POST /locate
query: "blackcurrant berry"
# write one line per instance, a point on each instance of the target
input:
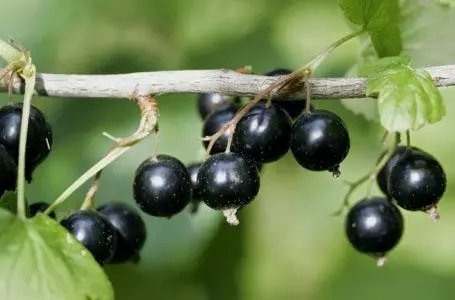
(37, 207)
(162, 186)
(193, 170)
(374, 226)
(215, 122)
(94, 232)
(320, 141)
(209, 103)
(8, 171)
(130, 228)
(263, 133)
(293, 107)
(228, 181)
(39, 137)
(384, 174)
(417, 182)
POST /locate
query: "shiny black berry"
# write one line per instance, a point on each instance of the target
(209, 103)
(374, 226)
(130, 229)
(417, 182)
(263, 133)
(320, 141)
(39, 137)
(94, 232)
(228, 181)
(162, 186)
(196, 197)
(293, 107)
(384, 174)
(37, 207)
(8, 171)
(215, 122)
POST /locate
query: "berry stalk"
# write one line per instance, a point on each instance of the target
(148, 124)
(324, 54)
(29, 74)
(301, 73)
(381, 164)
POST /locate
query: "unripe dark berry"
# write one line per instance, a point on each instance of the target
(374, 226)
(293, 107)
(41, 207)
(263, 134)
(211, 102)
(8, 171)
(162, 186)
(384, 174)
(215, 122)
(320, 141)
(130, 230)
(39, 136)
(417, 182)
(196, 196)
(228, 181)
(94, 232)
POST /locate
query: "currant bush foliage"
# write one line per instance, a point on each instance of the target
(379, 19)
(41, 260)
(408, 98)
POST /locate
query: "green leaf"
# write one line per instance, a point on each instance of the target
(426, 39)
(408, 98)
(380, 19)
(387, 42)
(40, 260)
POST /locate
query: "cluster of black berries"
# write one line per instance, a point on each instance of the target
(114, 233)
(39, 143)
(413, 180)
(229, 180)
(318, 140)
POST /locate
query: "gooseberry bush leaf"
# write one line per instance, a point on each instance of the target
(407, 98)
(380, 19)
(40, 260)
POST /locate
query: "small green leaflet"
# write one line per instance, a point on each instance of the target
(407, 98)
(380, 19)
(40, 260)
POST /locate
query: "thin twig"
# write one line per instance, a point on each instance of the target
(195, 81)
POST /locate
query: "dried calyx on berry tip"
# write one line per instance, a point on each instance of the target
(228, 182)
(374, 226)
(320, 141)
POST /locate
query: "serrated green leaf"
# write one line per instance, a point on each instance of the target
(407, 98)
(40, 260)
(380, 19)
(383, 65)
(426, 30)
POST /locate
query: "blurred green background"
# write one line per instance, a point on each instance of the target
(288, 246)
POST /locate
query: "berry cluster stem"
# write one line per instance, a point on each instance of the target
(381, 164)
(371, 176)
(148, 125)
(299, 74)
(30, 83)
